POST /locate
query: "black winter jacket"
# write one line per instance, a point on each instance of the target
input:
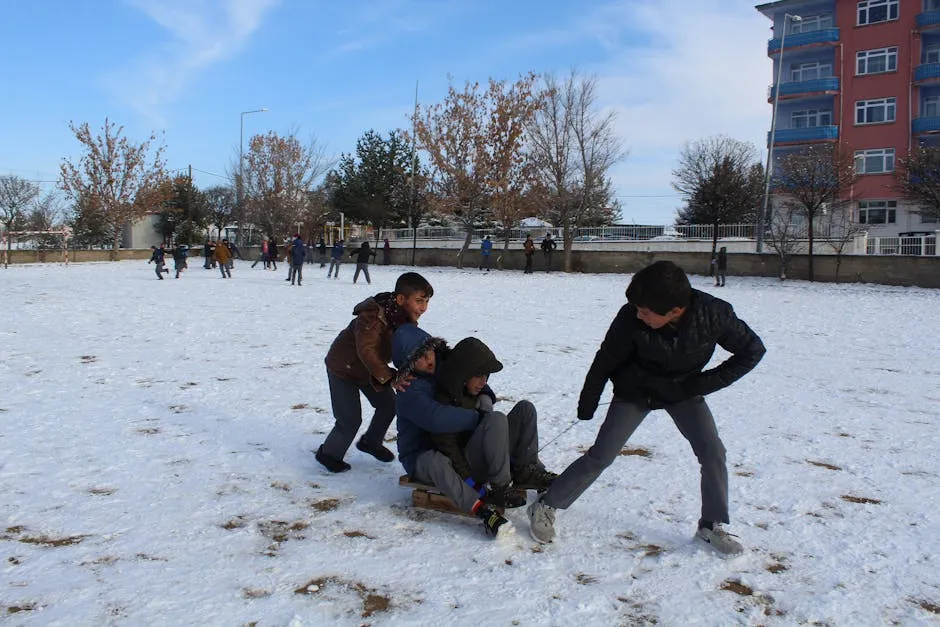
(664, 366)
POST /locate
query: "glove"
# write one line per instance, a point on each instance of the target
(484, 402)
(585, 413)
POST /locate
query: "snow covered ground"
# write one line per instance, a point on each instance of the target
(156, 465)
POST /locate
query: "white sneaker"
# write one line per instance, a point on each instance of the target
(720, 540)
(541, 522)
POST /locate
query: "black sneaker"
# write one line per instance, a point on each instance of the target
(331, 463)
(505, 496)
(379, 452)
(492, 521)
(533, 477)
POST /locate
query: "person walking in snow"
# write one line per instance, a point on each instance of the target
(158, 257)
(357, 363)
(297, 254)
(336, 258)
(654, 353)
(321, 252)
(486, 248)
(548, 247)
(362, 261)
(179, 259)
(223, 257)
(721, 266)
(528, 248)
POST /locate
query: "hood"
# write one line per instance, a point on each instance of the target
(469, 358)
(409, 343)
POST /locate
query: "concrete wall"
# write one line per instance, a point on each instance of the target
(886, 270)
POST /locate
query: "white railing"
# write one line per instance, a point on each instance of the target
(609, 233)
(917, 245)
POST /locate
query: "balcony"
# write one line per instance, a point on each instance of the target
(817, 37)
(926, 124)
(928, 20)
(805, 88)
(927, 72)
(805, 135)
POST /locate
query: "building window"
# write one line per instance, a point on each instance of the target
(927, 217)
(932, 53)
(875, 111)
(810, 71)
(877, 161)
(876, 61)
(877, 211)
(874, 11)
(812, 23)
(810, 118)
(931, 106)
(931, 5)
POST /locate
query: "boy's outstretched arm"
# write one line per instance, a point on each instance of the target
(614, 351)
(746, 350)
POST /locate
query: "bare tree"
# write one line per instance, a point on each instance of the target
(843, 228)
(815, 177)
(16, 195)
(918, 179)
(784, 234)
(573, 145)
(122, 180)
(45, 215)
(721, 180)
(454, 135)
(280, 173)
(512, 107)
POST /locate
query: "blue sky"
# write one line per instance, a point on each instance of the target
(673, 70)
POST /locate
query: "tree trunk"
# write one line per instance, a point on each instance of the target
(116, 244)
(568, 241)
(810, 260)
(466, 246)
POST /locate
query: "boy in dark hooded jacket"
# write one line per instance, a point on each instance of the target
(357, 362)
(654, 354)
(423, 422)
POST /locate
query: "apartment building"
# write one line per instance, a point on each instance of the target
(866, 73)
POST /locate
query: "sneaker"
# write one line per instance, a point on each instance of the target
(541, 522)
(504, 496)
(719, 539)
(492, 521)
(379, 452)
(331, 463)
(533, 477)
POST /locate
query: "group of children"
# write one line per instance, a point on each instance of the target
(450, 435)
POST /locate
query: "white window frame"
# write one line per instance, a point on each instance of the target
(865, 161)
(863, 59)
(867, 110)
(930, 107)
(890, 208)
(812, 23)
(813, 118)
(932, 53)
(822, 70)
(865, 7)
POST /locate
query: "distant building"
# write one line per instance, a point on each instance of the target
(864, 72)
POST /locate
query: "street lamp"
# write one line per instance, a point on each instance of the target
(241, 141)
(773, 128)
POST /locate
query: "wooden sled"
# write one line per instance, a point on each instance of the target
(426, 496)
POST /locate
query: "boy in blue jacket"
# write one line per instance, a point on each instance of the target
(421, 419)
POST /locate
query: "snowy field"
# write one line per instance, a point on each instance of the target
(156, 462)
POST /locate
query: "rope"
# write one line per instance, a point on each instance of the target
(566, 429)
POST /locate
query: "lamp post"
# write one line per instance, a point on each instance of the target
(762, 216)
(241, 141)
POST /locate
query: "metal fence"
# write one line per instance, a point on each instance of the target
(918, 245)
(627, 232)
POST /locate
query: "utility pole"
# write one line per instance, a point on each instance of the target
(414, 167)
(189, 207)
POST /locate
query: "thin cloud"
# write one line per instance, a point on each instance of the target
(202, 33)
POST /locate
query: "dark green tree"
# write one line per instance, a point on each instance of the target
(185, 213)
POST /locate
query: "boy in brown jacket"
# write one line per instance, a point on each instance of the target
(358, 362)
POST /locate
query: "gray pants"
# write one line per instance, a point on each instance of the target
(347, 411)
(695, 423)
(362, 267)
(334, 263)
(499, 445)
